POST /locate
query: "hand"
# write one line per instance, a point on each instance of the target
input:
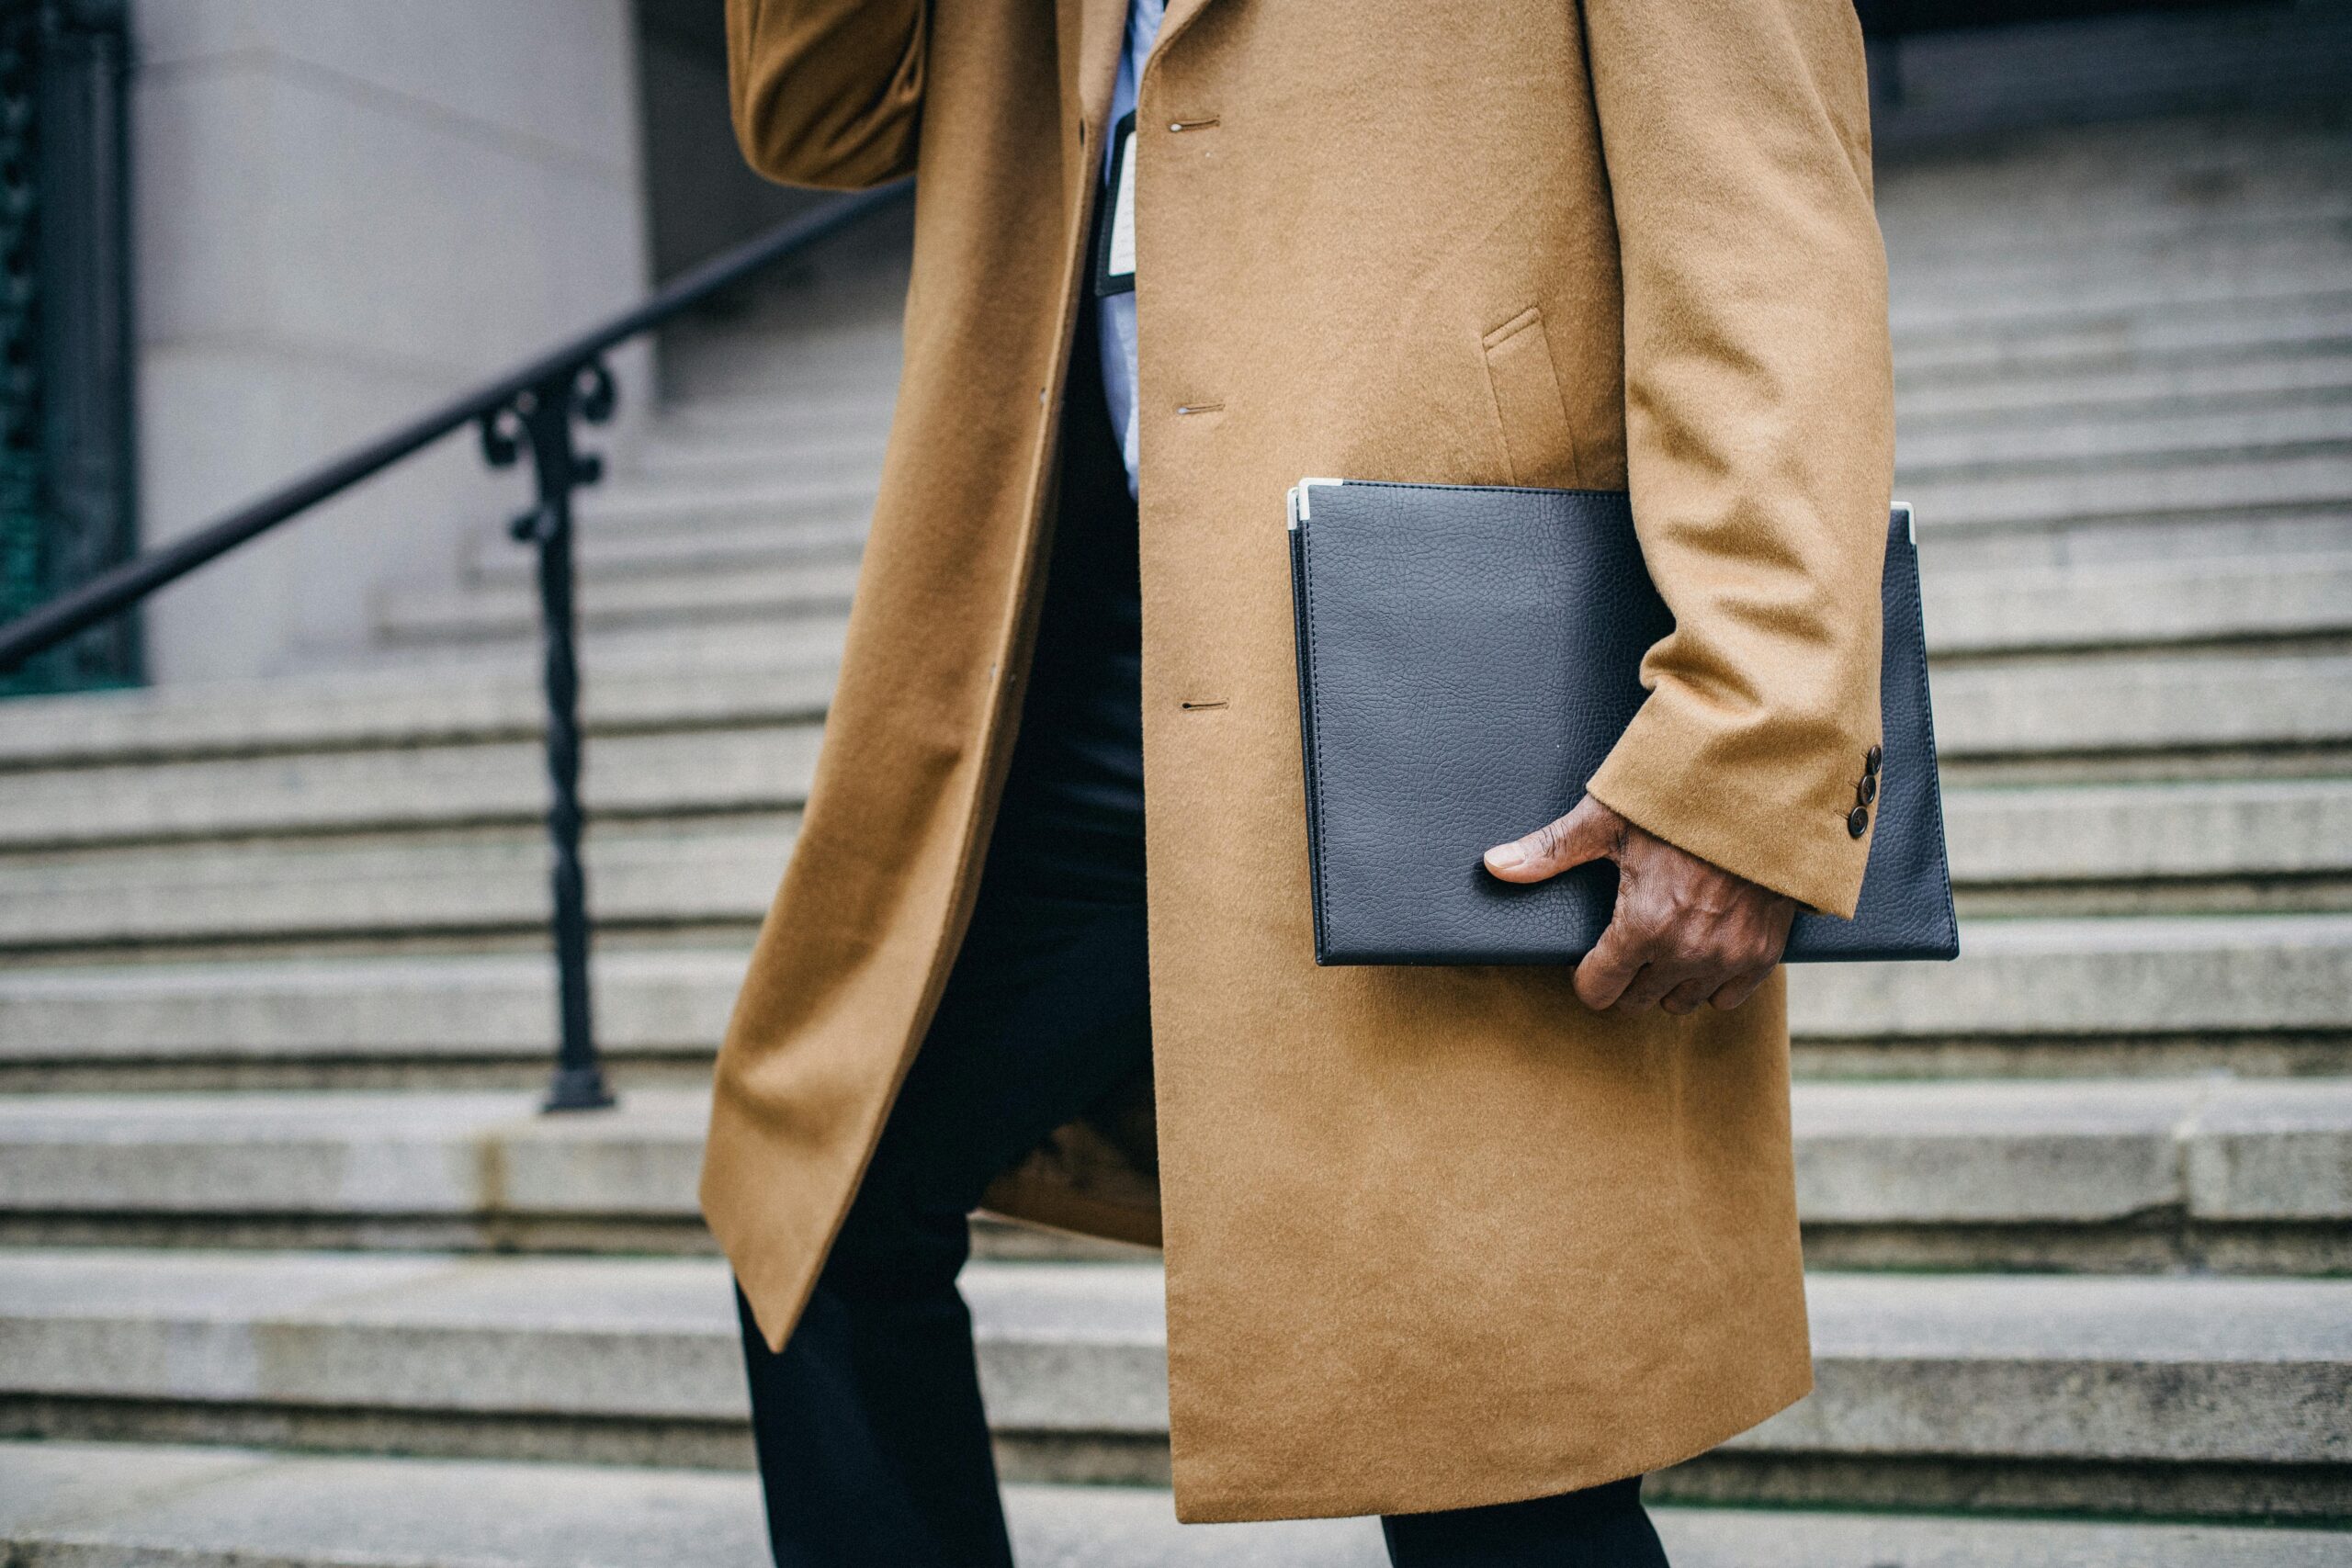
(1685, 931)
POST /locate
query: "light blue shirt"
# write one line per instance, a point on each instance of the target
(1117, 316)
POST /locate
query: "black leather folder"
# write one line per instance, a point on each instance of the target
(1467, 656)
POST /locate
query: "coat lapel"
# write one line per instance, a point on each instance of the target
(1100, 27)
(1179, 16)
(1088, 35)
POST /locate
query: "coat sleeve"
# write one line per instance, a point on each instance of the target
(1758, 423)
(827, 92)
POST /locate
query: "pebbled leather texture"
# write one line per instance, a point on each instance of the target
(1467, 657)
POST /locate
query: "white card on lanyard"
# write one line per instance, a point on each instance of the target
(1114, 251)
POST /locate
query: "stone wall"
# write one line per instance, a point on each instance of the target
(346, 211)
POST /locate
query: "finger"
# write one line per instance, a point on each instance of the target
(1686, 997)
(1738, 989)
(1610, 967)
(1587, 834)
(1647, 989)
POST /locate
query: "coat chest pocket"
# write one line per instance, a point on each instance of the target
(1541, 447)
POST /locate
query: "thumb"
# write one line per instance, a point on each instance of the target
(1591, 832)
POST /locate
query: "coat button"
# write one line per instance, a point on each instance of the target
(1873, 758)
(1867, 791)
(1858, 821)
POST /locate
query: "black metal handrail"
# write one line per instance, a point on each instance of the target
(535, 406)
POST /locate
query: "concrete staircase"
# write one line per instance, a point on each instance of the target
(291, 1272)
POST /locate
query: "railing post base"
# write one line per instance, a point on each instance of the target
(578, 1088)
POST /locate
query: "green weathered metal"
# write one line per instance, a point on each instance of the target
(67, 488)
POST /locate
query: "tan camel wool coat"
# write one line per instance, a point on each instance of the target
(1435, 1237)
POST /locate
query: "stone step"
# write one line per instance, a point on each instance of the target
(2187, 160)
(1935, 232)
(797, 341)
(720, 552)
(2102, 716)
(113, 1505)
(788, 358)
(669, 455)
(2147, 176)
(650, 505)
(359, 709)
(2298, 373)
(739, 768)
(2256, 994)
(2191, 493)
(773, 417)
(675, 646)
(2064, 190)
(451, 1170)
(425, 1018)
(2092, 183)
(2189, 1397)
(2131, 539)
(2211, 1174)
(385, 888)
(476, 611)
(2227, 845)
(2226, 329)
(2059, 181)
(2173, 440)
(2139, 603)
(805, 334)
(2243, 1176)
(2217, 268)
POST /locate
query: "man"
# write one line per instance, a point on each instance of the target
(1472, 1249)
